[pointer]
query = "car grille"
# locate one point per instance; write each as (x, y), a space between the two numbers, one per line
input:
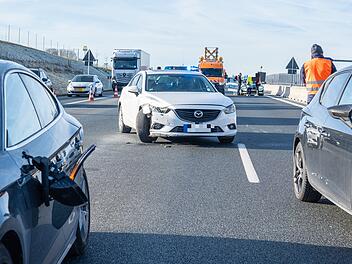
(179, 129)
(188, 115)
(124, 77)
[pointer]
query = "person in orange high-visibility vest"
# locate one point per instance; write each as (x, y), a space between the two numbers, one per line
(315, 71)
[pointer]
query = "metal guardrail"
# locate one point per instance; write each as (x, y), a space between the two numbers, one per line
(284, 79)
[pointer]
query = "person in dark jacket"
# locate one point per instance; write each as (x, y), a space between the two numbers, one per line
(239, 81)
(315, 71)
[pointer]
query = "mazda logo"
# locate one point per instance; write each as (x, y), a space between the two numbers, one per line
(198, 114)
(124, 74)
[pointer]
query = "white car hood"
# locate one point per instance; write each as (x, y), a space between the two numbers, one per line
(188, 98)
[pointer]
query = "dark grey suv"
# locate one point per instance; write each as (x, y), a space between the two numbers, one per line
(323, 144)
(44, 196)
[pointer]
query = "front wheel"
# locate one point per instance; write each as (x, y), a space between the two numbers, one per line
(143, 128)
(302, 188)
(83, 228)
(226, 140)
(121, 125)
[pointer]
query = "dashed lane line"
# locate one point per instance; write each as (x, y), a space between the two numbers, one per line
(247, 164)
(285, 101)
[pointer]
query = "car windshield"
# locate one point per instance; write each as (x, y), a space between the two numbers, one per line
(83, 78)
(178, 83)
(125, 63)
(211, 72)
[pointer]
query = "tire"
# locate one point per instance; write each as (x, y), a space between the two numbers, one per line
(143, 127)
(301, 186)
(226, 140)
(5, 257)
(69, 95)
(82, 234)
(101, 94)
(122, 128)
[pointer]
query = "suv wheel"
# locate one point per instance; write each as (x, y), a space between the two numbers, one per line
(120, 124)
(302, 188)
(143, 128)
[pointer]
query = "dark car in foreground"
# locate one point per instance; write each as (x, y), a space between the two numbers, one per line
(44, 195)
(323, 144)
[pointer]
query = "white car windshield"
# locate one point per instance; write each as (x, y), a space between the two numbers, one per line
(83, 78)
(178, 83)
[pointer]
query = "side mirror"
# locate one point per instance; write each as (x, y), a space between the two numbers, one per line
(69, 81)
(45, 79)
(342, 112)
(133, 89)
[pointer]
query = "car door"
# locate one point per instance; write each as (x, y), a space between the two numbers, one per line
(316, 134)
(130, 103)
(25, 132)
(337, 153)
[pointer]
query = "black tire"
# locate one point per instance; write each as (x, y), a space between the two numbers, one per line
(122, 128)
(69, 95)
(82, 234)
(101, 94)
(226, 140)
(301, 186)
(143, 127)
(5, 257)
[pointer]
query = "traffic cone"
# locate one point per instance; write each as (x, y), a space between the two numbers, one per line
(91, 96)
(116, 93)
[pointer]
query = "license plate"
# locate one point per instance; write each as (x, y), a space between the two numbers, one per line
(79, 89)
(197, 128)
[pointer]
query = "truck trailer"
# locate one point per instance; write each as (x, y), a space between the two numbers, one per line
(126, 63)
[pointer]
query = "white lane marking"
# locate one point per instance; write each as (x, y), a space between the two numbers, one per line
(285, 101)
(86, 100)
(247, 164)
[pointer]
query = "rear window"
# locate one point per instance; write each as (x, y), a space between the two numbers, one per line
(83, 78)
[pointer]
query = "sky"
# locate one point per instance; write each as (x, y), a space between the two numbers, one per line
(248, 33)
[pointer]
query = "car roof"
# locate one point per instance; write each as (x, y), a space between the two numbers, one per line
(175, 72)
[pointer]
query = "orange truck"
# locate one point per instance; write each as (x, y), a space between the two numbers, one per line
(212, 66)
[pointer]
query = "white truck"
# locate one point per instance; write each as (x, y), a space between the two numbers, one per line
(126, 63)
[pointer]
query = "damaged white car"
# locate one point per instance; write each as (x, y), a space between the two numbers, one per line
(175, 104)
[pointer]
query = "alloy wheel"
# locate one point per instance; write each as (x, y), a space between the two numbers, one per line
(83, 220)
(299, 171)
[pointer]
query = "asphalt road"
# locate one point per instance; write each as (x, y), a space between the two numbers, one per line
(192, 201)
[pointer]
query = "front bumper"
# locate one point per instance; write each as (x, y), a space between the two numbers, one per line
(78, 93)
(173, 126)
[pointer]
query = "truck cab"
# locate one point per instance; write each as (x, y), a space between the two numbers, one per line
(126, 63)
(212, 66)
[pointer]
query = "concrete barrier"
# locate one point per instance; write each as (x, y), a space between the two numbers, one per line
(294, 93)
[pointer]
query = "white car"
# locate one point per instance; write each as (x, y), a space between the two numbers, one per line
(83, 83)
(231, 88)
(175, 104)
